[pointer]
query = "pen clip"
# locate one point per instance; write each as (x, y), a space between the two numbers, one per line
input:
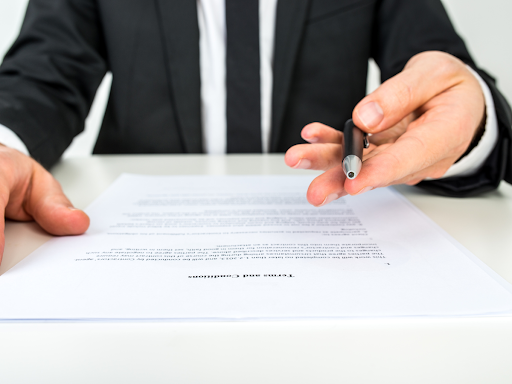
(366, 143)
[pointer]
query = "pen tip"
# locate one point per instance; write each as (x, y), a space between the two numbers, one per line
(352, 166)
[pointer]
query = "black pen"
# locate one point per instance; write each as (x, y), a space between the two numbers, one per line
(355, 140)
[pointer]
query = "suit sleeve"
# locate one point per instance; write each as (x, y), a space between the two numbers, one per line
(50, 75)
(404, 28)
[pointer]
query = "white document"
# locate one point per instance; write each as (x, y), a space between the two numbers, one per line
(249, 247)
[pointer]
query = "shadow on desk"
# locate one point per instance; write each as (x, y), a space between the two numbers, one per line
(21, 239)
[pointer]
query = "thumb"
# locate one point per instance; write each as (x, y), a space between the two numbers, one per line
(51, 209)
(425, 76)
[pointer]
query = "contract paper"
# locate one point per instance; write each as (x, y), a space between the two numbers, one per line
(249, 247)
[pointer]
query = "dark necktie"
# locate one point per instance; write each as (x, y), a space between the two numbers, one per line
(243, 113)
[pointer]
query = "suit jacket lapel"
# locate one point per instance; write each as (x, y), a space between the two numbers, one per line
(290, 21)
(180, 30)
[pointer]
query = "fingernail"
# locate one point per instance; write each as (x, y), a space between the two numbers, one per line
(371, 114)
(303, 164)
(313, 139)
(367, 189)
(73, 209)
(330, 199)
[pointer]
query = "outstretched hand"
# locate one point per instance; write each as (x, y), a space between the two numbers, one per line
(29, 192)
(421, 122)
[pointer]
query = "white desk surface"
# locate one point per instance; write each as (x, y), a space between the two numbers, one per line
(470, 350)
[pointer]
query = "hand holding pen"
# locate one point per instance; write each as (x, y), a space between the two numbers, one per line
(421, 120)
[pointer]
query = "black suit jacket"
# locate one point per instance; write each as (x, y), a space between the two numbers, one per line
(49, 77)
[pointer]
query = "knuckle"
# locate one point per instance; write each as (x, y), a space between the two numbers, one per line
(413, 181)
(438, 173)
(441, 64)
(439, 169)
(437, 58)
(448, 65)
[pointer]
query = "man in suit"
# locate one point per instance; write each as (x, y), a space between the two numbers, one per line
(179, 88)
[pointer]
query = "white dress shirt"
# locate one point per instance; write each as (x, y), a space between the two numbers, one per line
(212, 27)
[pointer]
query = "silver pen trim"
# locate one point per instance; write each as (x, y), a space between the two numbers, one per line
(352, 166)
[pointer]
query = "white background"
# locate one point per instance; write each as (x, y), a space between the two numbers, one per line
(485, 25)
